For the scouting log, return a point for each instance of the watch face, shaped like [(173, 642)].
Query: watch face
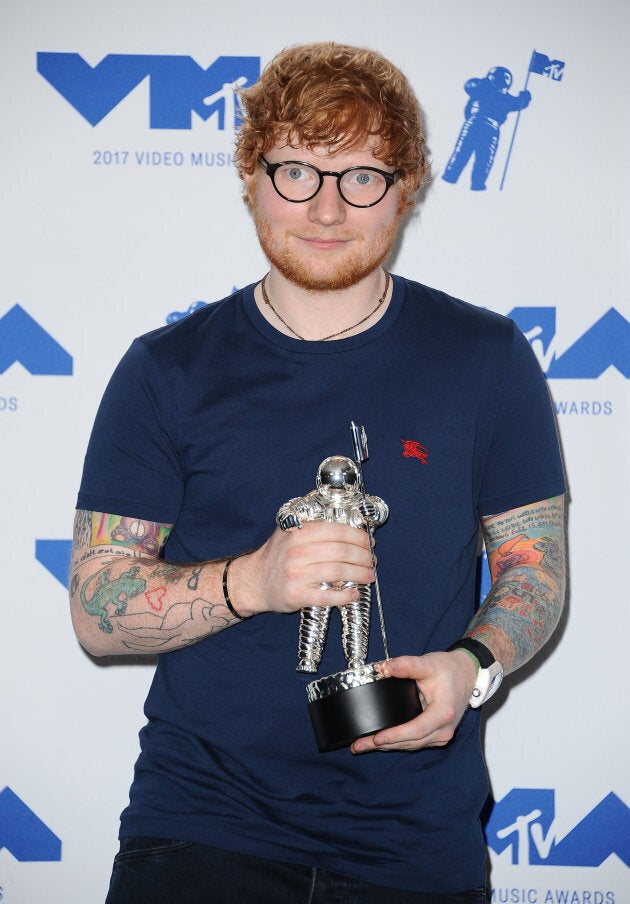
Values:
[(495, 674), (495, 681), (488, 681)]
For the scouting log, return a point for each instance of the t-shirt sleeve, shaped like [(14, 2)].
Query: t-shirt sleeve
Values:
[(131, 466), (523, 463)]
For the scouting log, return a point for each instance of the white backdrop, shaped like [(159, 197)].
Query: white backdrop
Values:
[(110, 228)]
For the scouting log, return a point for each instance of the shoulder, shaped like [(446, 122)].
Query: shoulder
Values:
[(185, 335), (445, 311)]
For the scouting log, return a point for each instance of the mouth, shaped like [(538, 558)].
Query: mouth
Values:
[(325, 242)]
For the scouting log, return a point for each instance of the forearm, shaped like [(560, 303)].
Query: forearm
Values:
[(123, 603), (518, 617), (527, 563), (124, 600)]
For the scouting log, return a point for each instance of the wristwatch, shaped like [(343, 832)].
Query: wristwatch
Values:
[(490, 674)]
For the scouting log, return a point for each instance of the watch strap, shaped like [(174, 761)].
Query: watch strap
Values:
[(478, 649)]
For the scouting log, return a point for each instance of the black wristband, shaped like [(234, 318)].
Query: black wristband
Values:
[(475, 647), (226, 595)]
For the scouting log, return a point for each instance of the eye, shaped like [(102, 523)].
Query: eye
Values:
[(295, 173), (362, 177)]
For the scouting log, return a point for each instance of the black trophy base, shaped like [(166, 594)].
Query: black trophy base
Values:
[(352, 712)]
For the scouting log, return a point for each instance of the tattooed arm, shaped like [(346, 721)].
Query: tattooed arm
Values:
[(526, 555), (125, 599), (525, 549)]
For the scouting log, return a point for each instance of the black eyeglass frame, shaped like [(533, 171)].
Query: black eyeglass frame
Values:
[(272, 168)]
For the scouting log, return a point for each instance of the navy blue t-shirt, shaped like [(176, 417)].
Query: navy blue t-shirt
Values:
[(214, 422)]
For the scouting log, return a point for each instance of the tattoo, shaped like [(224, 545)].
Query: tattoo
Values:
[(145, 537), (170, 574), (523, 551), (146, 632), (124, 602), (83, 528), (101, 590), (526, 557), (152, 604), (193, 581)]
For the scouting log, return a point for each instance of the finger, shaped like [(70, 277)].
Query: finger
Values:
[(323, 548), (337, 575), (316, 531), (335, 551), (314, 596), (414, 735), (309, 567)]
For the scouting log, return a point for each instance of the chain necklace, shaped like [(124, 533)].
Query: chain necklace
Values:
[(332, 335)]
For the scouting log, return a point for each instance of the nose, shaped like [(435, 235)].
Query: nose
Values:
[(327, 207)]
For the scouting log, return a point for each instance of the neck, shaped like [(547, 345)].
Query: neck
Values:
[(315, 315)]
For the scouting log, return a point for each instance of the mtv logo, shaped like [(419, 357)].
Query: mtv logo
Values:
[(23, 339), (23, 833), (524, 820), (177, 85), (605, 344)]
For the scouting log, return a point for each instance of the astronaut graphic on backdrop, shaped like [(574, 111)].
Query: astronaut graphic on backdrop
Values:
[(486, 111), (339, 497)]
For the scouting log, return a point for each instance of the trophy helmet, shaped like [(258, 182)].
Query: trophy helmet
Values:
[(338, 476)]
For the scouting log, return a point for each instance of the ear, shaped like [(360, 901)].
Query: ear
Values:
[(250, 187), (408, 193)]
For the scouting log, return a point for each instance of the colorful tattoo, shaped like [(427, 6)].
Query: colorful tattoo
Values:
[(101, 590), (526, 556), (138, 599), (131, 605), (135, 533)]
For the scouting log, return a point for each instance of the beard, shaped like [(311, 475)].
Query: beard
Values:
[(321, 273)]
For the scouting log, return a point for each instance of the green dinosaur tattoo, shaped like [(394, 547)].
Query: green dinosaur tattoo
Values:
[(114, 592)]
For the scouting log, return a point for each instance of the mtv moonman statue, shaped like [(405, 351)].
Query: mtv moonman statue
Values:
[(338, 497)]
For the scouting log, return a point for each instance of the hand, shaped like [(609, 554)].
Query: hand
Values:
[(285, 574), (445, 682)]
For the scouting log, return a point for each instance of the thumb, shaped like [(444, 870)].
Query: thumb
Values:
[(402, 667)]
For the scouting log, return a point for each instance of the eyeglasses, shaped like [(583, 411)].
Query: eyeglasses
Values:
[(359, 186)]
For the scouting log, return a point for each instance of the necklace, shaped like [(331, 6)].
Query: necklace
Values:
[(332, 335)]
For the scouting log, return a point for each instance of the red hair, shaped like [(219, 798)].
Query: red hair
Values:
[(335, 96)]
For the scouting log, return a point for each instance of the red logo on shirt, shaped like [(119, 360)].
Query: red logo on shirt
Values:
[(413, 449)]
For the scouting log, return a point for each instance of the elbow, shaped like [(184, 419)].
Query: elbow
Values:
[(94, 641), (560, 608), (94, 647)]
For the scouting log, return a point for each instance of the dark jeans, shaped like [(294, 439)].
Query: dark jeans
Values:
[(156, 871)]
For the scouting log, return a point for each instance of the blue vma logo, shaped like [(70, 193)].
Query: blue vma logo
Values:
[(55, 556), (524, 821), (23, 833), (23, 340), (177, 85), (488, 107), (174, 316), (605, 344)]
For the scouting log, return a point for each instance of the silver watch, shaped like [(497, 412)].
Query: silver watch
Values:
[(490, 674)]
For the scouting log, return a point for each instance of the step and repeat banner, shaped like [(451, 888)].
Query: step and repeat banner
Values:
[(121, 211)]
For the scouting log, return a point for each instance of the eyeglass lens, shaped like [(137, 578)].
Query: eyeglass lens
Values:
[(300, 182)]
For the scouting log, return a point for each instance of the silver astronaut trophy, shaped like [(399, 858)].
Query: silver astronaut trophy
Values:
[(357, 701)]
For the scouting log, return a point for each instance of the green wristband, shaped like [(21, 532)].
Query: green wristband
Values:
[(471, 656)]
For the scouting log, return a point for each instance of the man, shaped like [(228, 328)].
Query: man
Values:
[(209, 425)]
